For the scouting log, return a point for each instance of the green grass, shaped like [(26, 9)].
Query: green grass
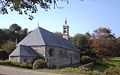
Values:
[(15, 64), (114, 61), (106, 64)]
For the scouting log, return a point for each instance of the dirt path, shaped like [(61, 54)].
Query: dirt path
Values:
[(6, 70)]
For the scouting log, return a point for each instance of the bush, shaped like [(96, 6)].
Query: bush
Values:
[(3, 55), (112, 71), (40, 57), (25, 65), (86, 59), (39, 64)]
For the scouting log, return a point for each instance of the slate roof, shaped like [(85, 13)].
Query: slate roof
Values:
[(22, 50), (41, 37)]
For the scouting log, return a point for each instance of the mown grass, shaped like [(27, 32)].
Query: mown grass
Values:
[(114, 61), (106, 64)]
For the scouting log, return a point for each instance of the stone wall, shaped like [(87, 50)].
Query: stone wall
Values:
[(62, 57), (14, 59)]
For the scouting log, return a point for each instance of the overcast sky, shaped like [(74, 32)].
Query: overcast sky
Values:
[(82, 17)]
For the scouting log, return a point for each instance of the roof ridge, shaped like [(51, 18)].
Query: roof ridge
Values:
[(41, 35)]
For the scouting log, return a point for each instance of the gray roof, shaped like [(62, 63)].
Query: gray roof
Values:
[(22, 50), (40, 37)]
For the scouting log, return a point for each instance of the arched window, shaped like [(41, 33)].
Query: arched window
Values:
[(51, 52)]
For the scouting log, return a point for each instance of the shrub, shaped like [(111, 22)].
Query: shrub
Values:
[(86, 59), (39, 64), (3, 55), (25, 65), (112, 71), (40, 57)]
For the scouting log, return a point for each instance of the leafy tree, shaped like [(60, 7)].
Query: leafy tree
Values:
[(26, 6), (9, 36), (104, 43), (2, 33), (81, 41), (21, 34), (58, 34), (118, 41), (9, 46), (15, 27)]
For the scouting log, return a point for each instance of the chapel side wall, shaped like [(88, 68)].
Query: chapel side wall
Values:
[(62, 57), (68, 57)]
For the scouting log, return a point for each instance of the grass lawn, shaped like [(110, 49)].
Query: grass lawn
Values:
[(106, 64)]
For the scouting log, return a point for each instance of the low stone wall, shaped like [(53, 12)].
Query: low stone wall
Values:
[(88, 64)]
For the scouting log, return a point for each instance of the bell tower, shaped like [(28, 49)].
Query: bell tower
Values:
[(66, 30)]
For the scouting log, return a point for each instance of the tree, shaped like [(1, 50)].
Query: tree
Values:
[(82, 42), (13, 33), (58, 34), (118, 41), (2, 33), (104, 43), (9, 46), (26, 6), (21, 34), (15, 27)]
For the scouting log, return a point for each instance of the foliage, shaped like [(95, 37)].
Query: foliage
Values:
[(82, 42), (3, 55), (10, 63), (15, 27), (12, 34), (86, 59), (104, 43), (26, 6), (58, 34), (113, 71), (2, 33), (39, 57), (118, 42), (9, 46), (39, 64)]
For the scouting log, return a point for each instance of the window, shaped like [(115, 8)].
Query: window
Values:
[(51, 50)]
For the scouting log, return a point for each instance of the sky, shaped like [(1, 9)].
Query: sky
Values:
[(82, 17)]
